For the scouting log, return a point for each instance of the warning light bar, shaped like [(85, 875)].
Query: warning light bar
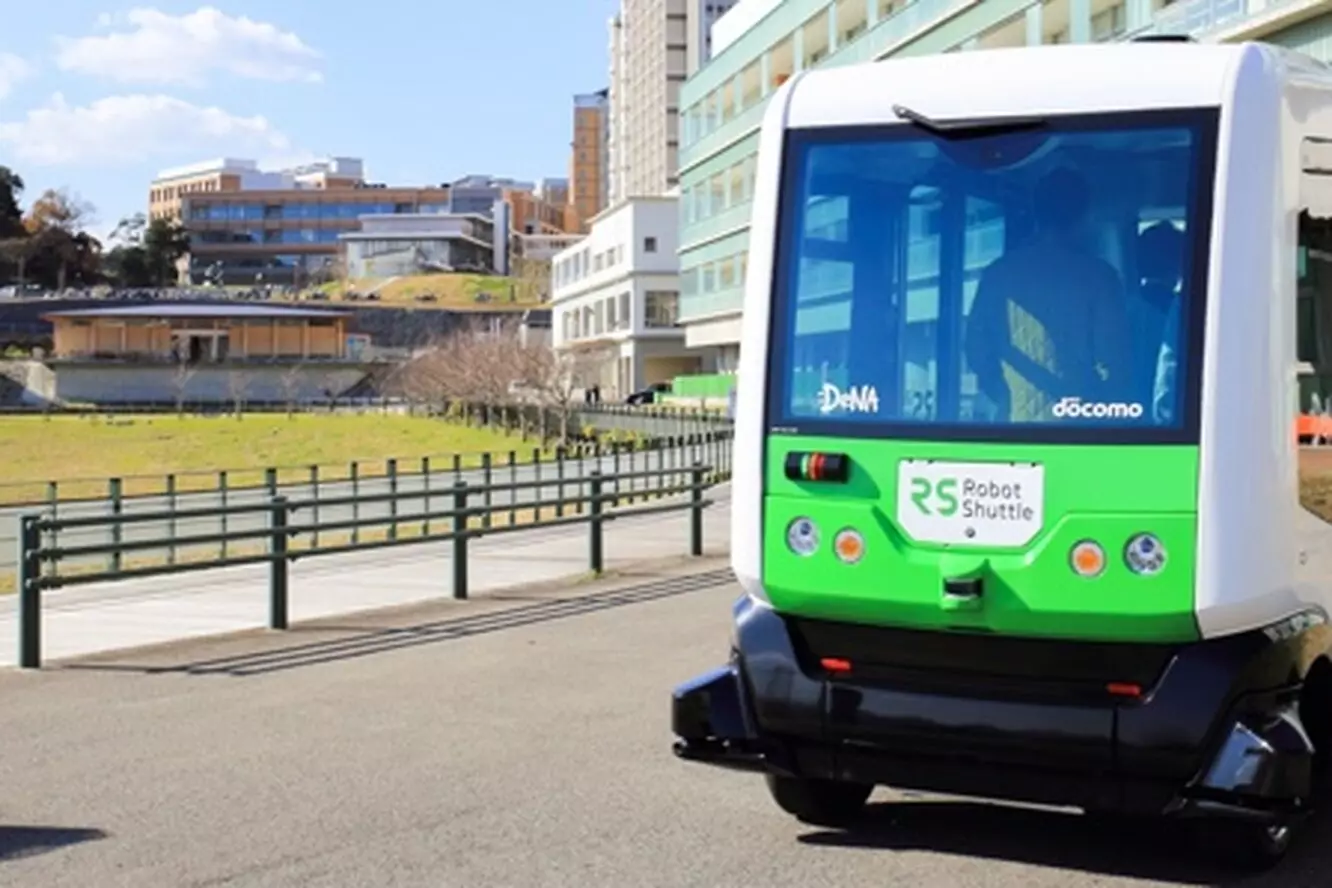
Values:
[(817, 467)]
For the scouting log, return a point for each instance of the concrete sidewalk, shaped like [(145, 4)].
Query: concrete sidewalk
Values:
[(101, 617)]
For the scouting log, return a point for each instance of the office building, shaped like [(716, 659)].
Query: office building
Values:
[(249, 226), (424, 243), (648, 49), (225, 175), (589, 159), (615, 300), (758, 44)]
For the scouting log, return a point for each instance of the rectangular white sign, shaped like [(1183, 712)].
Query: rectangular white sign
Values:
[(970, 504)]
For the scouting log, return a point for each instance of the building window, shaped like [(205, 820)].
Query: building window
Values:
[(649, 245), (661, 308)]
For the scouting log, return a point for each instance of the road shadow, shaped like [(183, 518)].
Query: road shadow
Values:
[(1144, 850), (378, 641), (28, 841)]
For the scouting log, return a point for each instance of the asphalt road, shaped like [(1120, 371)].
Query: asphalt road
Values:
[(523, 742), (411, 487)]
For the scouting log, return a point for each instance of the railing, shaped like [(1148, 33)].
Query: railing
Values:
[(339, 525)]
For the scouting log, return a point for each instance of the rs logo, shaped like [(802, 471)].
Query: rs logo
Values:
[(941, 495)]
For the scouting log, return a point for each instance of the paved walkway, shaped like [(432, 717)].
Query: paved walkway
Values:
[(492, 744), (100, 617)]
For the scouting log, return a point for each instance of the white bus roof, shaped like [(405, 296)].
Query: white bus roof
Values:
[(1031, 81)]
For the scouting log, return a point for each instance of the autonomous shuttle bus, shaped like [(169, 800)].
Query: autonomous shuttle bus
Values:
[(1019, 511)]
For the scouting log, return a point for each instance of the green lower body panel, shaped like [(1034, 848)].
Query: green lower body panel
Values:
[(1035, 535)]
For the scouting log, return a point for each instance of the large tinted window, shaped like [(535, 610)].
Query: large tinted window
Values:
[(1043, 284)]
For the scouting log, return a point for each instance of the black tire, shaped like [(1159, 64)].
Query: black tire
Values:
[(819, 802), (1250, 847)]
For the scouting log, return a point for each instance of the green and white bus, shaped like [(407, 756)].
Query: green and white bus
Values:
[(1018, 380)]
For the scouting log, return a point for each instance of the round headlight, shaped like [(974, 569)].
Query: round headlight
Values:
[(802, 536), (849, 545), (1087, 559), (1145, 555)]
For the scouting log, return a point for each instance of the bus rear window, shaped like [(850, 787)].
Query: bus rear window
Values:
[(1042, 285)]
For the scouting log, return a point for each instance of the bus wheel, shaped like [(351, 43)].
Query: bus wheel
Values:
[(819, 802)]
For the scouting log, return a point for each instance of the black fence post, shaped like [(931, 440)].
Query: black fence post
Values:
[(354, 473), (487, 496), (222, 487), (171, 522), (696, 511), (53, 500), (277, 575), (391, 469), (29, 568), (425, 493), (314, 505), (114, 493), (595, 554), (460, 539), (559, 474), (513, 488)]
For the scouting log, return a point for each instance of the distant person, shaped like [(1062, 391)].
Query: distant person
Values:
[(1049, 319)]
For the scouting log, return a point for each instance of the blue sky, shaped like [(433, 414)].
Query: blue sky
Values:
[(98, 97)]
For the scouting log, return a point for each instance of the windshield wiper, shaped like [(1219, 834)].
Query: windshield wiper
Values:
[(959, 129)]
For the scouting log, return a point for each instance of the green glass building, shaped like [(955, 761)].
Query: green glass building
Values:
[(760, 43)]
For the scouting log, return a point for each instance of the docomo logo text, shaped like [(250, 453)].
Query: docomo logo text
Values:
[(1076, 408), (857, 399)]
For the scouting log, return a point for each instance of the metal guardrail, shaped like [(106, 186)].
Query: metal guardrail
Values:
[(39, 555)]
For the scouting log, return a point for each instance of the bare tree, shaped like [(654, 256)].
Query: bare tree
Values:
[(238, 383), (557, 378), (479, 362), (184, 373), (291, 386)]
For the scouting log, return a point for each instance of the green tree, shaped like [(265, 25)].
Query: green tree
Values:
[(11, 216), (59, 251), (165, 241), (13, 249), (126, 263)]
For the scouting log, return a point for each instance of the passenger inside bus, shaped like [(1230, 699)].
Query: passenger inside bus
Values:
[(1049, 320), (1161, 267)]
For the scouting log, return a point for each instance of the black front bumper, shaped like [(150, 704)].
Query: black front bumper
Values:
[(1211, 728)]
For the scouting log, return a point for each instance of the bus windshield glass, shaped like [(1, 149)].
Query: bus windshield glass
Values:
[(1041, 284)]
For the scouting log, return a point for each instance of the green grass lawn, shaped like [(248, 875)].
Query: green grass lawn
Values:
[(82, 452)]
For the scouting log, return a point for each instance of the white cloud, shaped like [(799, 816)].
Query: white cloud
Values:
[(184, 49), (12, 70), (131, 129)]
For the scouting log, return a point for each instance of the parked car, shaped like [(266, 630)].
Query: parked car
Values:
[(649, 394)]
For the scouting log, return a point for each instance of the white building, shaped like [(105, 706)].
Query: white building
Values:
[(615, 299), (700, 16), (648, 57)]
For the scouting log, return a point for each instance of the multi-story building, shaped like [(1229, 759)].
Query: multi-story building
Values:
[(615, 300), (700, 16), (247, 226), (172, 186), (758, 44), (286, 236), (649, 45), (422, 243), (589, 159)]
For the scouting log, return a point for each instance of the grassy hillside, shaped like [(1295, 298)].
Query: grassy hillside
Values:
[(451, 291)]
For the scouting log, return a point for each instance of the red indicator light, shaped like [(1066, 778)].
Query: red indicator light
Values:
[(817, 467), (835, 664), (1124, 689)]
